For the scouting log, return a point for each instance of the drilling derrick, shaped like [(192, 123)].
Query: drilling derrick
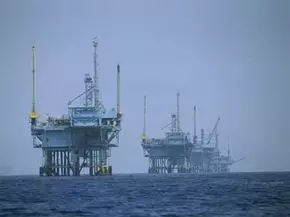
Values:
[(83, 138)]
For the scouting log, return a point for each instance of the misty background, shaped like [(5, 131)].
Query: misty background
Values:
[(229, 58)]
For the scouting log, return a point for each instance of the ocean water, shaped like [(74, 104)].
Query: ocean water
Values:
[(234, 194)]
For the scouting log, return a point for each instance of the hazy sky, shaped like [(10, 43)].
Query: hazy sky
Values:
[(230, 58)]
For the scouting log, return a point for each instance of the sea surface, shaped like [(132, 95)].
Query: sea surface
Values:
[(233, 194)]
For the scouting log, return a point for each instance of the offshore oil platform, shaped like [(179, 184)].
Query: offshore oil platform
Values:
[(81, 139), (177, 152)]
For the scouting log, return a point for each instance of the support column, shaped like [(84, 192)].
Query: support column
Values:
[(91, 162), (65, 162), (61, 163), (68, 163), (57, 163), (77, 166)]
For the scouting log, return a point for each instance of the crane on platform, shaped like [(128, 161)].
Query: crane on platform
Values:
[(213, 132)]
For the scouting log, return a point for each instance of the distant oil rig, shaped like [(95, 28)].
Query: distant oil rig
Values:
[(177, 152), (81, 139)]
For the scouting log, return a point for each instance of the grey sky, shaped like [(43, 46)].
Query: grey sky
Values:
[(230, 58)]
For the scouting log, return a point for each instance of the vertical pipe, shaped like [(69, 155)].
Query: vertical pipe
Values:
[(194, 122), (49, 159), (91, 162), (96, 85), (33, 114), (77, 163), (68, 162), (104, 157), (157, 165), (33, 78), (61, 163), (118, 90), (53, 159), (64, 163), (95, 160), (57, 162), (177, 114)]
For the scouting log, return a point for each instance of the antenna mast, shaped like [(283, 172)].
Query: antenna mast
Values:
[(96, 78), (177, 115)]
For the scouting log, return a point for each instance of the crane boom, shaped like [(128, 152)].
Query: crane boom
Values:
[(214, 130)]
